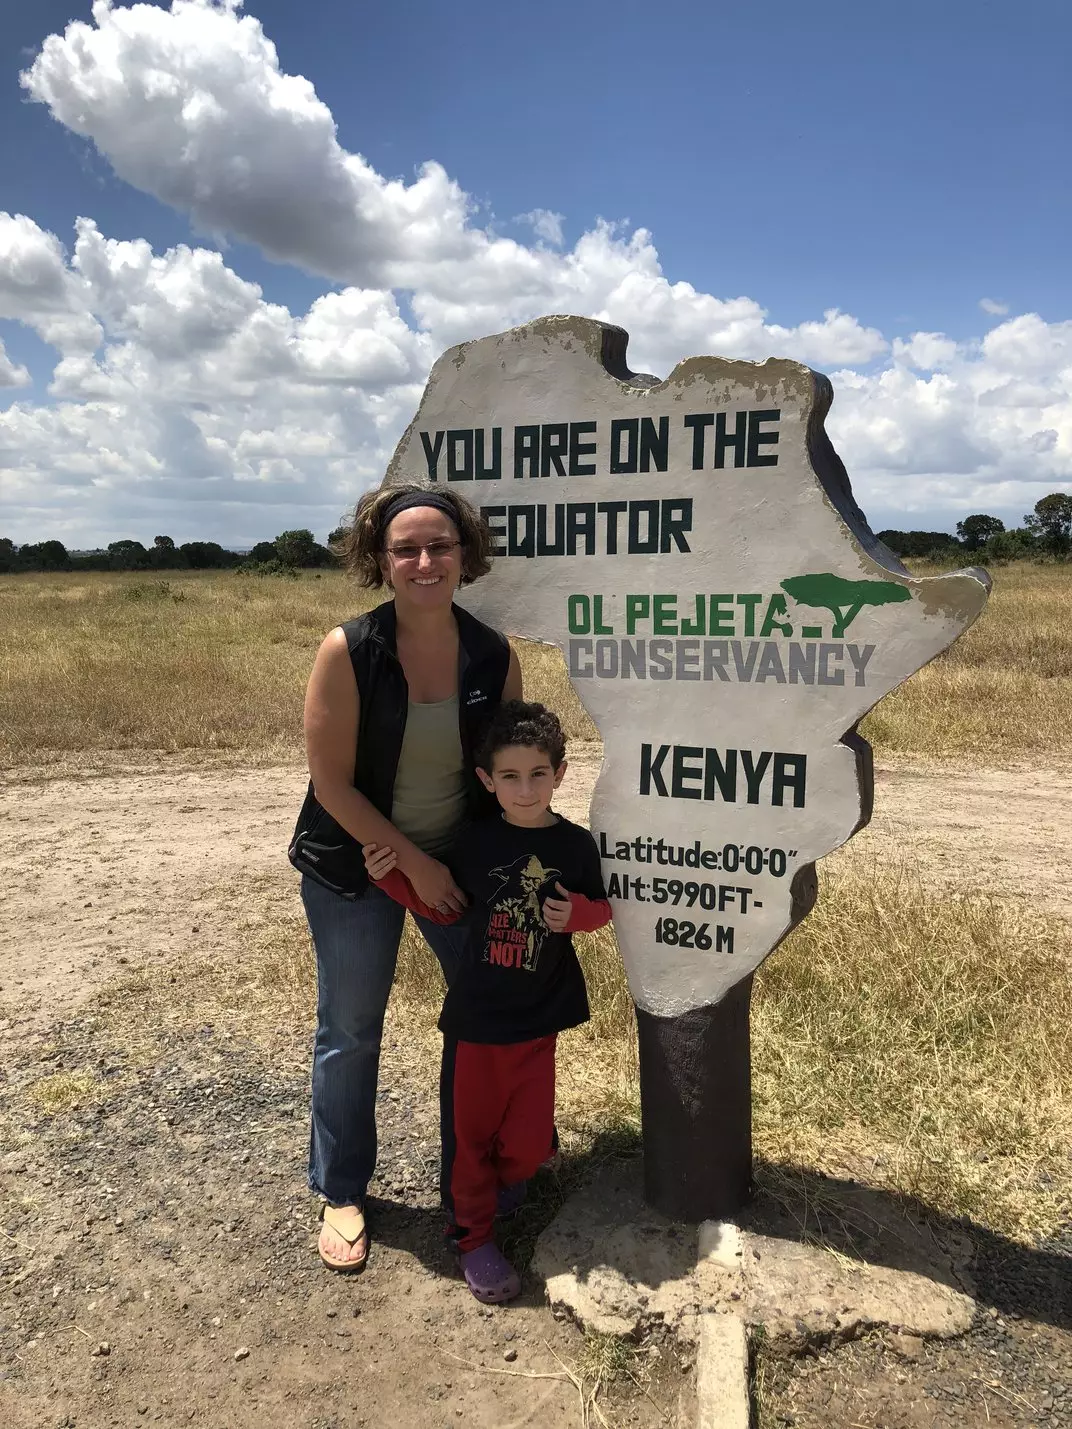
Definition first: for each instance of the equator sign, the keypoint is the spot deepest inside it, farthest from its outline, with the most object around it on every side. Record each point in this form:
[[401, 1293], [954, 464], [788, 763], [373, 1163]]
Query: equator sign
[[693, 548]]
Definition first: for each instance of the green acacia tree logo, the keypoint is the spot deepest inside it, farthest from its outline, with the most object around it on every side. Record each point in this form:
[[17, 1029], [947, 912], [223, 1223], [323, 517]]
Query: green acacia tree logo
[[844, 599]]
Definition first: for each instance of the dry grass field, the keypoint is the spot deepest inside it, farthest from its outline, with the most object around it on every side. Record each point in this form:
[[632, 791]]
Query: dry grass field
[[217, 661], [1004, 689], [194, 661], [918, 1039]]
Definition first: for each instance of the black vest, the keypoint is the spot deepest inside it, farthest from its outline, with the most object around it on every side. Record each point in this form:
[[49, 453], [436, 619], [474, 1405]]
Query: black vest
[[321, 847]]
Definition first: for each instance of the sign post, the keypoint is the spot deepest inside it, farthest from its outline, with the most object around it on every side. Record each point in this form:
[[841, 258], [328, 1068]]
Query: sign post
[[696, 1108], [727, 617]]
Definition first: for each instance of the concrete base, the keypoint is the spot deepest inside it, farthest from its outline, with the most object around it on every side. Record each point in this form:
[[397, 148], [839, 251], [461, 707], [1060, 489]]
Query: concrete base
[[621, 1268], [722, 1398]]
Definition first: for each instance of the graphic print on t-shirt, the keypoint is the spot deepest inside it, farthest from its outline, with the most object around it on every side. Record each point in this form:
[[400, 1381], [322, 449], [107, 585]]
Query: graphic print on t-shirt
[[516, 929]]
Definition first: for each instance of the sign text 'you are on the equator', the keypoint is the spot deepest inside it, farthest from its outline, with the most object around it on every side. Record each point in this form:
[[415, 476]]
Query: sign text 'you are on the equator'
[[693, 548]]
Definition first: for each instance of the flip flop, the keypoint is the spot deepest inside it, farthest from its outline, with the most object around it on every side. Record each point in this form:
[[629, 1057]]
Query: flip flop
[[348, 1223], [489, 1275], [510, 1199]]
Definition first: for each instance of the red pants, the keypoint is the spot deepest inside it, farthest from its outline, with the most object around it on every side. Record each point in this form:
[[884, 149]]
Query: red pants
[[497, 1108]]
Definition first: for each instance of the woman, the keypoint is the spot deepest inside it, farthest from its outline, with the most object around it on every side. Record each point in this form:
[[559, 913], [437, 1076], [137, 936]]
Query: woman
[[394, 709]]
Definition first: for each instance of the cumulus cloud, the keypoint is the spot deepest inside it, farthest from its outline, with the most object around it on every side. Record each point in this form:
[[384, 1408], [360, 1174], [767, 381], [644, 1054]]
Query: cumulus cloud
[[925, 350], [181, 398], [10, 374], [199, 390], [37, 287], [994, 308], [992, 427], [190, 104], [546, 225]]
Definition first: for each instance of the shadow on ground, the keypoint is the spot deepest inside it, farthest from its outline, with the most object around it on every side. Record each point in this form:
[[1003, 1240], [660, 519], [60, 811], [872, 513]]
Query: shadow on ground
[[1019, 1281], [866, 1223]]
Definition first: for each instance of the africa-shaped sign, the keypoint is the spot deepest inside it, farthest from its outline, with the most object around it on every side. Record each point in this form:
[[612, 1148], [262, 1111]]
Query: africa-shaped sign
[[727, 617]]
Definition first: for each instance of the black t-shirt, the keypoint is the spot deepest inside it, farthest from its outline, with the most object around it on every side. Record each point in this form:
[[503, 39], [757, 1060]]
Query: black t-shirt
[[518, 980]]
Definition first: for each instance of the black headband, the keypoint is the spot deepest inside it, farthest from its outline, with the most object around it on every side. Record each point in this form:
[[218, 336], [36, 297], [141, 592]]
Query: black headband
[[407, 499]]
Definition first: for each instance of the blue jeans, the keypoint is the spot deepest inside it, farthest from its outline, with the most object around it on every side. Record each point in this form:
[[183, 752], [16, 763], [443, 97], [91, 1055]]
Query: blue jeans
[[356, 947]]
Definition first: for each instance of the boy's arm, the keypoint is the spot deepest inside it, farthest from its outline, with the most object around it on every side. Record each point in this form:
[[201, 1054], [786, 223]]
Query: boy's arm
[[590, 909], [571, 911], [587, 914], [397, 886]]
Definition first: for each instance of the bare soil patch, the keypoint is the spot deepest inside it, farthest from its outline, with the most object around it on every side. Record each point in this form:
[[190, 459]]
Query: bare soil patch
[[106, 865], [1005, 830], [143, 863]]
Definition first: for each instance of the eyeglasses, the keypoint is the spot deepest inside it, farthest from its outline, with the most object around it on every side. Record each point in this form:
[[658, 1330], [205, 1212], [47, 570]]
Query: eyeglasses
[[435, 549]]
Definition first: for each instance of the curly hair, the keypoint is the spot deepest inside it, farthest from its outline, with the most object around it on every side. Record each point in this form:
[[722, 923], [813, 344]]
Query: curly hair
[[526, 723], [362, 542]]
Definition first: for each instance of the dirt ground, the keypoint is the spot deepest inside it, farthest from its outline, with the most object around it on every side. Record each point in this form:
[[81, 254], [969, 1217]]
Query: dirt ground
[[156, 1238], [104, 865]]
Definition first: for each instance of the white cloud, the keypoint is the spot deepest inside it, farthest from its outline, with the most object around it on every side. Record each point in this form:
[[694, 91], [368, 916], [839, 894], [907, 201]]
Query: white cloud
[[181, 399], [925, 350], [992, 428], [546, 225], [200, 399], [1028, 346], [38, 289], [10, 374], [190, 104], [994, 308]]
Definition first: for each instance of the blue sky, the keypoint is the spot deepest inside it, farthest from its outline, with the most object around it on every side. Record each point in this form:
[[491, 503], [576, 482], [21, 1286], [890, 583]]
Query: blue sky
[[901, 163]]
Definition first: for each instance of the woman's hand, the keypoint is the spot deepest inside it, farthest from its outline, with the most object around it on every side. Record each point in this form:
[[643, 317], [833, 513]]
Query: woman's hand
[[379, 860], [556, 911], [433, 885]]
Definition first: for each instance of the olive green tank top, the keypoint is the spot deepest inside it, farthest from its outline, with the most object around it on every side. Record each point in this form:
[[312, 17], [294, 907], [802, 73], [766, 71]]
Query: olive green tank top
[[430, 793]]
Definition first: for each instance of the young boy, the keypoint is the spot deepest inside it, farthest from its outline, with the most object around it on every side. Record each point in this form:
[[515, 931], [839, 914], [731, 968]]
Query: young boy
[[532, 878]]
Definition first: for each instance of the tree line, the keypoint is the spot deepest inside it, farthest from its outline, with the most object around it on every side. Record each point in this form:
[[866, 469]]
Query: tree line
[[290, 551], [1046, 532]]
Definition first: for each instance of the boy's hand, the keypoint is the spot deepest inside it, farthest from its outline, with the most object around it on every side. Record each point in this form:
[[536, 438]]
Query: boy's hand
[[556, 911], [379, 860]]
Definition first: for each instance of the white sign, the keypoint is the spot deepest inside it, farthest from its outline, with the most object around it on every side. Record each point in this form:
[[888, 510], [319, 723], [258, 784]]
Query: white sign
[[694, 549]]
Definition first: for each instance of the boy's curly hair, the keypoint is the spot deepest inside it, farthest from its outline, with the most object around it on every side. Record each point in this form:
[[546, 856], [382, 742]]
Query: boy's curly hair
[[527, 723]]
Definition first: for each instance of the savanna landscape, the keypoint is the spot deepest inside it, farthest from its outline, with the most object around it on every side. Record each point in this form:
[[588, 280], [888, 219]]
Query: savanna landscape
[[913, 1035]]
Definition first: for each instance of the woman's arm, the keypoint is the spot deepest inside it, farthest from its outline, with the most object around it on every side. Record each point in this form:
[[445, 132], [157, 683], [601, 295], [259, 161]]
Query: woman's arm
[[397, 886], [512, 684], [331, 724]]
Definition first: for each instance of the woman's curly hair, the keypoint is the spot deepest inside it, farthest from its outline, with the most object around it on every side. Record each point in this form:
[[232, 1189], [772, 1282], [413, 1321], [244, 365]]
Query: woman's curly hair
[[362, 543], [526, 723]]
